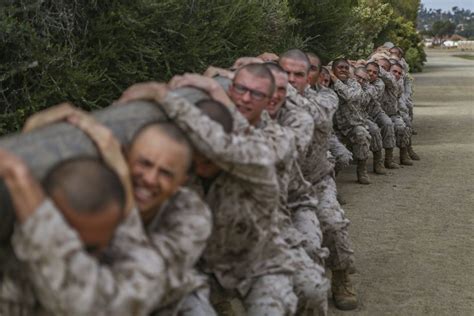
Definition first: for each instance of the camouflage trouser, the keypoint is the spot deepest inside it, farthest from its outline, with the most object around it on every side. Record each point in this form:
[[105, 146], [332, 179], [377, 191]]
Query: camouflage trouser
[[341, 154], [303, 215], [271, 295], [196, 304], [311, 285], [334, 225], [359, 139], [402, 132], [387, 130], [376, 136]]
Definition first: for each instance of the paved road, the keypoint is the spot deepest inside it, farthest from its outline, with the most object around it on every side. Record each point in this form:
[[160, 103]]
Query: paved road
[[413, 230]]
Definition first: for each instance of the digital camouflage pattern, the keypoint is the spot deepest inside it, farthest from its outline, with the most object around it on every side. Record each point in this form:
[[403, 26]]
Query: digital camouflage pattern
[[245, 245], [67, 281], [349, 120]]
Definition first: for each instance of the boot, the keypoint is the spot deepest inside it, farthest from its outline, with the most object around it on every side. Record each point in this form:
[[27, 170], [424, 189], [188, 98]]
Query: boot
[[404, 158], [362, 176], [341, 199], [389, 163], [413, 155], [343, 292], [378, 164]]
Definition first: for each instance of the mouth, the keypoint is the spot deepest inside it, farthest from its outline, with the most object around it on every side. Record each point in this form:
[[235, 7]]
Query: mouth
[[243, 109], [143, 195]]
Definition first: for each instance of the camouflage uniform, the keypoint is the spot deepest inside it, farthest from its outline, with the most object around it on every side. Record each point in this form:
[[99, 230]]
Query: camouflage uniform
[[377, 115], [374, 130], [349, 119], [245, 251], [321, 103], [390, 104], [179, 232], [311, 285], [339, 154], [67, 281]]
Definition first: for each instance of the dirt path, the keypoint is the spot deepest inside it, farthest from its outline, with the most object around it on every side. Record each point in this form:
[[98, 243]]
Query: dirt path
[[413, 230]]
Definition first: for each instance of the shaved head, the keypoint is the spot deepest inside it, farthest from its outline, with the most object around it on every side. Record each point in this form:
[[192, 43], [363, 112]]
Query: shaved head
[[296, 54]]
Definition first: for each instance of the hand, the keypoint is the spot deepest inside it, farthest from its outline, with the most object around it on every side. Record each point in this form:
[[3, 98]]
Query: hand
[[216, 71], [333, 76], [51, 115], [109, 149], [242, 61], [153, 91], [25, 191], [209, 85], [266, 57]]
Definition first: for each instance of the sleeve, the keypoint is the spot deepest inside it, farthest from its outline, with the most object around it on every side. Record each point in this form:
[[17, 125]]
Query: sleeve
[[301, 124], [325, 105], [349, 91], [180, 236], [71, 282], [389, 81], [246, 156]]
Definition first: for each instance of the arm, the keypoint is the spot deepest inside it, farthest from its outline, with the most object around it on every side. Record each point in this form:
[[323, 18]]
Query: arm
[[300, 123], [246, 156], [69, 281], [349, 91], [389, 81], [181, 232]]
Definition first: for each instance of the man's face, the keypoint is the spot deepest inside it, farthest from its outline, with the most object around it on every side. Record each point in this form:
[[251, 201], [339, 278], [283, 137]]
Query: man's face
[[373, 72], [95, 230], [204, 167], [297, 71], [250, 95], [384, 64], [279, 96], [314, 70], [324, 79], [158, 167], [342, 71], [397, 72], [396, 52], [361, 76]]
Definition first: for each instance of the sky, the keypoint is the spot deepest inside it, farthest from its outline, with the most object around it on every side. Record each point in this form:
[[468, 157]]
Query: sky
[[448, 4]]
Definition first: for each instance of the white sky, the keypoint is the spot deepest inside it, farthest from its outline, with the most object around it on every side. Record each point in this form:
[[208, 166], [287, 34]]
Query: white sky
[[448, 4]]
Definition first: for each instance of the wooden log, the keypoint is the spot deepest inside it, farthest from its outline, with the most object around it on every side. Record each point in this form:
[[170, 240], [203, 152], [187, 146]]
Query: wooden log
[[43, 148]]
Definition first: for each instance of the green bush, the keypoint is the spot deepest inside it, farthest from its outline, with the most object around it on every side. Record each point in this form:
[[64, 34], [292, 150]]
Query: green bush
[[88, 51]]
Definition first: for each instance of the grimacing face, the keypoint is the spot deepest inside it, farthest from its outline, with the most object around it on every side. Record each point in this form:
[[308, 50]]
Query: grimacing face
[[279, 96], [384, 64], [297, 71], [250, 94], [342, 71], [158, 167], [397, 71], [373, 72]]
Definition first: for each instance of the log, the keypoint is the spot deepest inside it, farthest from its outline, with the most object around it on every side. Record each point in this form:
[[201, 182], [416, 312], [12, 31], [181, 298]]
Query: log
[[49, 145]]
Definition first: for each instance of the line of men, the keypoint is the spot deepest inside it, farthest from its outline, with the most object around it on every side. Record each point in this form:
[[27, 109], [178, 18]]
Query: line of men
[[230, 204]]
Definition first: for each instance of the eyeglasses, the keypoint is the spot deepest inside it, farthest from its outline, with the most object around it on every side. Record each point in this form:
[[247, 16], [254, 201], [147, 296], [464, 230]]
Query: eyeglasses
[[254, 94]]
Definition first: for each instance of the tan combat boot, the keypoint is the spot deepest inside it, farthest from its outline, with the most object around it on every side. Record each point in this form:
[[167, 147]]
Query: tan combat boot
[[378, 164], [413, 155], [343, 292], [362, 176], [389, 163], [404, 158]]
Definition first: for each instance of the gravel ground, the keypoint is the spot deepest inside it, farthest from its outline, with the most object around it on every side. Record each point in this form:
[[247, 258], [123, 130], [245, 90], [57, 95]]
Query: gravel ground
[[412, 229]]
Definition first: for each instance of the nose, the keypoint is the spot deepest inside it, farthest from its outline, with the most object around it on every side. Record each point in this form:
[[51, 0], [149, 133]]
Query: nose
[[246, 96], [150, 177], [291, 78]]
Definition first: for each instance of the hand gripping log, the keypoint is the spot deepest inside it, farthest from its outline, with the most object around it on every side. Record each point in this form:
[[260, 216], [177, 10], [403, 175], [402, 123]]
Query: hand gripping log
[[43, 148]]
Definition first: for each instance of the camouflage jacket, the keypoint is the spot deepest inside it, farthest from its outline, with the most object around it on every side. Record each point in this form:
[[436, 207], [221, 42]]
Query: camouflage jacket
[[179, 232], [245, 241], [66, 280], [376, 90], [352, 99], [392, 93], [321, 104]]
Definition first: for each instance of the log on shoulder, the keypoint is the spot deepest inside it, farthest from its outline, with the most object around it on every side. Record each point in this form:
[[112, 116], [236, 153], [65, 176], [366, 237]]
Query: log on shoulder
[[43, 148]]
